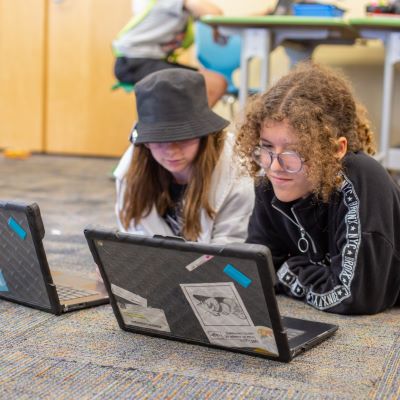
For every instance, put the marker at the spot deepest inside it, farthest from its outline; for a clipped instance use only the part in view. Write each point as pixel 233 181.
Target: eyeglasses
pixel 290 161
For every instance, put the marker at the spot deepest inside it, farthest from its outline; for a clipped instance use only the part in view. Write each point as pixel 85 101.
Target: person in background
pixel 149 42
pixel 328 211
pixel 177 178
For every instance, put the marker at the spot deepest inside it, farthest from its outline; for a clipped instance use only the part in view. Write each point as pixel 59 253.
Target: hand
pixel 218 38
pixel 174 43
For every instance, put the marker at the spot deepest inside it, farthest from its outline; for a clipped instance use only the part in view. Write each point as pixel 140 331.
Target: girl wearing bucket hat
pixel 178 177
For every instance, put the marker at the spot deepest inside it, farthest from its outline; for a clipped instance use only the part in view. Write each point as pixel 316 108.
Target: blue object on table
pixel 316 10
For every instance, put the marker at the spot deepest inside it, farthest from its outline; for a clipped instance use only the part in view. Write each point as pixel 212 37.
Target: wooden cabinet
pixel 22 55
pixel 83 115
pixel 56 77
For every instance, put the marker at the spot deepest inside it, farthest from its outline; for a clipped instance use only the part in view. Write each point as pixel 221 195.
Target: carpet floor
pixel 85 355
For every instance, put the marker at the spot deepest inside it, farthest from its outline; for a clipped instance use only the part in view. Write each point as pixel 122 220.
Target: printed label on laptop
pixel 129 296
pixel 224 317
pixel 144 317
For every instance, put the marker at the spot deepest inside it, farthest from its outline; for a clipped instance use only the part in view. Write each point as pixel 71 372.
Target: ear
pixel 341 147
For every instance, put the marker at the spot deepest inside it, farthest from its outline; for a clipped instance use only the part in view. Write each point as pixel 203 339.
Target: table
pixel 261 34
pixel 386 29
pixel 300 35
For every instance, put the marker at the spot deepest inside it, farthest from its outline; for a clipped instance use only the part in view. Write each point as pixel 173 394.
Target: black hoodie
pixel 342 256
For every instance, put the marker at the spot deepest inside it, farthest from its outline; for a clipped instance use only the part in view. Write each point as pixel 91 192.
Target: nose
pixel 275 164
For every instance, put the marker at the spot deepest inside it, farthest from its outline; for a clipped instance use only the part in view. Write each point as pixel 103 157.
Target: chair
pixel 127 87
pixel 224 59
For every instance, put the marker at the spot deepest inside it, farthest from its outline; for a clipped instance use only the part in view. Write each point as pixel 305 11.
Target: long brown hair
pixel 147 184
pixel 318 104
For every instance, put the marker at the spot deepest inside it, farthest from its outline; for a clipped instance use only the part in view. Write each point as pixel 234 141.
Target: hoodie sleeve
pixel 363 274
pixel 119 174
pixel 361 279
pixel 231 221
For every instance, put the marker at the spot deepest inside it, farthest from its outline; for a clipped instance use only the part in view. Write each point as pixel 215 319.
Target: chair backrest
pixel 224 59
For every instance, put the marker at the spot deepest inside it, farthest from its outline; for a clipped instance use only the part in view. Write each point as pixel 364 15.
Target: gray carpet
pixel 84 354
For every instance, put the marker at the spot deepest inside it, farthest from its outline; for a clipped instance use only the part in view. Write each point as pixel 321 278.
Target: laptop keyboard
pixel 69 293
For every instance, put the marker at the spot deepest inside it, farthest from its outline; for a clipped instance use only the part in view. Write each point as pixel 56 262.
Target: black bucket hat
pixel 172 106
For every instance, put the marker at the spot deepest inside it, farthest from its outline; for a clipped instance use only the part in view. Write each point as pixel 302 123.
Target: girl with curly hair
pixel 328 211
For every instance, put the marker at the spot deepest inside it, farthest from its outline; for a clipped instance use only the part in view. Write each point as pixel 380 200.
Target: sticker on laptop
pixel 17 228
pixel 223 316
pixel 198 261
pixel 129 296
pixel 144 317
pixel 3 283
pixel 237 276
pixel 267 338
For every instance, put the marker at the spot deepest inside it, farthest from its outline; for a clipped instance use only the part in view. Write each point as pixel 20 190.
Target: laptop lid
pixel 25 276
pixel 215 295
pixel 283 7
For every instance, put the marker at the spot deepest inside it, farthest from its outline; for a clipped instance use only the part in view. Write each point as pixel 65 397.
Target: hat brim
pixel 173 131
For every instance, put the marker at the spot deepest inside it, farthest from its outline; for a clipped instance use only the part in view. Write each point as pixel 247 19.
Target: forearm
pixel 199 8
pixel 365 283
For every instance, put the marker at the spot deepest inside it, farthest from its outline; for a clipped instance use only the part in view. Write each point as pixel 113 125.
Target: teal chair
pixel 222 58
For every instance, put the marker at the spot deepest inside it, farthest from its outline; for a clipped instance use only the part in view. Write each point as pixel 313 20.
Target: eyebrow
pixel 287 144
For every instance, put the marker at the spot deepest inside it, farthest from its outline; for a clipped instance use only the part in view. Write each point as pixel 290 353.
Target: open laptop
pixel 282 7
pixel 215 295
pixel 25 276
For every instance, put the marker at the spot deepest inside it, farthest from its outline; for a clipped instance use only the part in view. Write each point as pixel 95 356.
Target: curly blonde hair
pixel 319 106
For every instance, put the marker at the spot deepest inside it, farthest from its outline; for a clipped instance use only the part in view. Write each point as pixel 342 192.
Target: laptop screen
pixel 283 7
pixel 188 292
pixel 21 277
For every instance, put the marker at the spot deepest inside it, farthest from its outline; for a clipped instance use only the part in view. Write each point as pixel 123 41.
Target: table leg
pixel 255 43
pixel 392 56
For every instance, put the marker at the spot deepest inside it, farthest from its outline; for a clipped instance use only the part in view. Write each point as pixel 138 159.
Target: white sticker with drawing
pixel 223 316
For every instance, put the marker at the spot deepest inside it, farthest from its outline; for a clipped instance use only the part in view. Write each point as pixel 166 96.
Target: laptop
pixel 282 7
pixel 214 295
pixel 25 276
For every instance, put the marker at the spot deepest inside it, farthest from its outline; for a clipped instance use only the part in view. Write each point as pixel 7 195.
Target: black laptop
pixel 25 276
pixel 283 7
pixel 216 295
